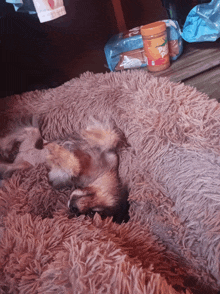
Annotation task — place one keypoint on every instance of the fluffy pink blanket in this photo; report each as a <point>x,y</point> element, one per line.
<point>172,170</point>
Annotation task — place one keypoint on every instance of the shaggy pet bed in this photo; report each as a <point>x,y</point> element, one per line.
<point>172,171</point>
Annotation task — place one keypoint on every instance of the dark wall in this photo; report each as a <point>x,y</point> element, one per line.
<point>50,53</point>
<point>141,12</point>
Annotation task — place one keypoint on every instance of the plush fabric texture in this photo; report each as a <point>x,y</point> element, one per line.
<point>171,167</point>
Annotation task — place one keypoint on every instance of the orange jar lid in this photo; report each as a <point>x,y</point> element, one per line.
<point>153,28</point>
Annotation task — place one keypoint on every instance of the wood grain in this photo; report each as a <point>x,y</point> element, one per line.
<point>207,82</point>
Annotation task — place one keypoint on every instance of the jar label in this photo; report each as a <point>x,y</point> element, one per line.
<point>157,51</point>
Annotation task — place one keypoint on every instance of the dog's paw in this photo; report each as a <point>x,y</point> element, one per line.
<point>7,169</point>
<point>25,165</point>
<point>59,178</point>
<point>10,153</point>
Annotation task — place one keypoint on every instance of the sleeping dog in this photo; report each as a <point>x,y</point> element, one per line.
<point>88,163</point>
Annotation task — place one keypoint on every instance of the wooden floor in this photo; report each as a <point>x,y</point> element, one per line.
<point>198,66</point>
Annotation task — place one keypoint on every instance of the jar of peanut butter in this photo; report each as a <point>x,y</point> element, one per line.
<point>156,46</point>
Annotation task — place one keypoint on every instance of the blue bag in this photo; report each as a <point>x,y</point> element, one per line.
<point>203,23</point>
<point>125,50</point>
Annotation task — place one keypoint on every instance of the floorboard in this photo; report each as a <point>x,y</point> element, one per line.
<point>198,66</point>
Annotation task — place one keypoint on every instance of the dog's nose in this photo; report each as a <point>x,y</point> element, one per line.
<point>73,208</point>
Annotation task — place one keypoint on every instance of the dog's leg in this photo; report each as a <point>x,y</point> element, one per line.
<point>7,169</point>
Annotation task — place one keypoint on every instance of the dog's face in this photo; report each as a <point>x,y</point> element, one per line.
<point>91,200</point>
<point>102,192</point>
<point>104,195</point>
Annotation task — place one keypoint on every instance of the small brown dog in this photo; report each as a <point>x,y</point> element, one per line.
<point>89,163</point>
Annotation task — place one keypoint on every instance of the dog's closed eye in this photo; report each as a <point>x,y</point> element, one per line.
<point>91,213</point>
